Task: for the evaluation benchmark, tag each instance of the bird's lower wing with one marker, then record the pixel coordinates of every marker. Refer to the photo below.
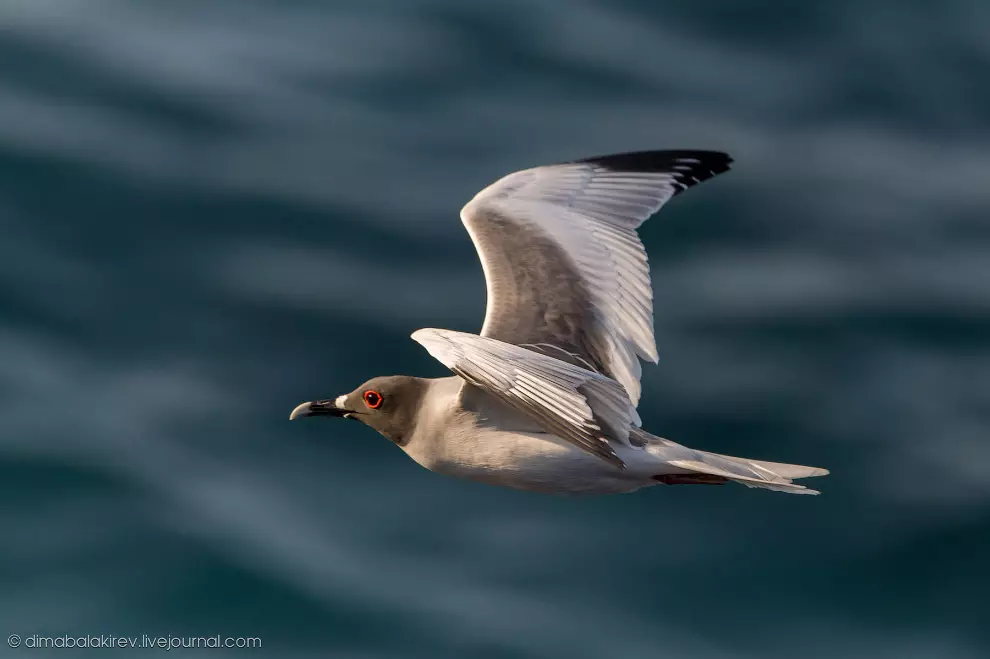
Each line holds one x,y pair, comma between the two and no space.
580,406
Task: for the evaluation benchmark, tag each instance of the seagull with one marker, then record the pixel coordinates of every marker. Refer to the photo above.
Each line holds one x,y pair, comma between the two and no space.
544,398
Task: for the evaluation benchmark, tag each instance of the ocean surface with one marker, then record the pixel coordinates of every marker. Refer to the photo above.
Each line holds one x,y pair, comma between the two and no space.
212,210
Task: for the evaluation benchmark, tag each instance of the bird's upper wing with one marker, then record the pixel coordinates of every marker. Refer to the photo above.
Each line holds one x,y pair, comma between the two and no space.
566,272
583,407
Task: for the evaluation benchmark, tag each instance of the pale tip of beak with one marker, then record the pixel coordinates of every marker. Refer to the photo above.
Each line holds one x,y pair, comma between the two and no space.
301,410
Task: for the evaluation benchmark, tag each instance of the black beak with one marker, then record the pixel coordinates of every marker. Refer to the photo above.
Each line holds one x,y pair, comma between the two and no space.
317,408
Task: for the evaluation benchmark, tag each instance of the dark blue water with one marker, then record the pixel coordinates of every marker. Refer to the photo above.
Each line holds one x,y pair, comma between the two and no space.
213,210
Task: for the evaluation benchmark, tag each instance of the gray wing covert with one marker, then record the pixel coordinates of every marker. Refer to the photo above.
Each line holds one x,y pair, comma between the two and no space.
565,270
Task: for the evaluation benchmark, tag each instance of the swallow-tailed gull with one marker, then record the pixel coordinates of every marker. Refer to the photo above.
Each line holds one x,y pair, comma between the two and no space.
544,399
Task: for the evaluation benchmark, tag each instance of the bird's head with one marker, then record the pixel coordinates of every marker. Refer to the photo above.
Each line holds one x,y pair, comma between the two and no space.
389,404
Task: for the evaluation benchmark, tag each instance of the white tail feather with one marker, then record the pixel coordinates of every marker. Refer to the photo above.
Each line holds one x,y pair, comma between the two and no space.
752,473
786,470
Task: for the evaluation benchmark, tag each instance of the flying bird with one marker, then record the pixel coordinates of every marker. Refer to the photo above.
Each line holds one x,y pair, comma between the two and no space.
544,398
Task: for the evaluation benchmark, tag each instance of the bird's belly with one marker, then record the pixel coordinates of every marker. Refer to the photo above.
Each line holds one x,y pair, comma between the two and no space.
529,461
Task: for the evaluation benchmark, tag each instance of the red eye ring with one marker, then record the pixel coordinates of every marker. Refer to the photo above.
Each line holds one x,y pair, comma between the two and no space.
372,399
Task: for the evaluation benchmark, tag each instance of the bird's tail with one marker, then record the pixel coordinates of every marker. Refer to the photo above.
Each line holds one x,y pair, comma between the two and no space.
751,473
703,467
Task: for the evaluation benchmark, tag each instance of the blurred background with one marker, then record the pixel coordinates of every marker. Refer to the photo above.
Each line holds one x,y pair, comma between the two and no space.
212,210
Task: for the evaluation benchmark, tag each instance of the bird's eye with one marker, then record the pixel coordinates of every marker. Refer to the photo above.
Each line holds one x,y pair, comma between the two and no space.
373,399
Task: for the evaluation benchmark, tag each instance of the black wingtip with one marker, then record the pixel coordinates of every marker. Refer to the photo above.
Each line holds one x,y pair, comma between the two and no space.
687,166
